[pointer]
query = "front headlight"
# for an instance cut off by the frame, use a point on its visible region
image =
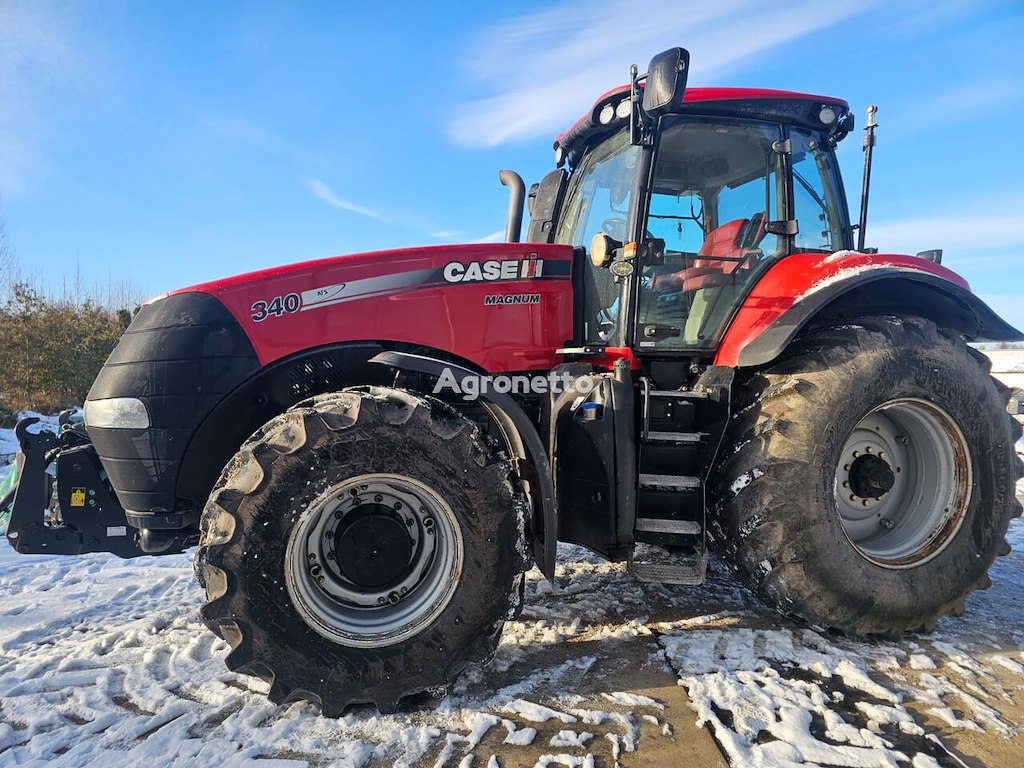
(116, 413)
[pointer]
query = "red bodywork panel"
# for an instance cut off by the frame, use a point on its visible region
(416, 296)
(799, 275)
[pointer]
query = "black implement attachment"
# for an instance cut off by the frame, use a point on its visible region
(87, 516)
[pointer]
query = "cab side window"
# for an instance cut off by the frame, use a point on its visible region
(814, 194)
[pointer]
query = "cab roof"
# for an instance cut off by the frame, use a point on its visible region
(791, 107)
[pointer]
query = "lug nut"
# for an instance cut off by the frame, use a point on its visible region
(398, 505)
(866, 502)
(378, 498)
(856, 454)
(887, 523)
(868, 449)
(393, 598)
(846, 483)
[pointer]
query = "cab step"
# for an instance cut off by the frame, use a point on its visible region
(660, 525)
(674, 437)
(679, 393)
(655, 564)
(669, 482)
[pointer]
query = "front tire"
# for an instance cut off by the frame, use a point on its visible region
(364, 546)
(868, 479)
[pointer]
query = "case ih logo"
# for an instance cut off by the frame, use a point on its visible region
(477, 271)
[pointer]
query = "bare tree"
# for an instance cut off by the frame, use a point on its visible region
(10, 269)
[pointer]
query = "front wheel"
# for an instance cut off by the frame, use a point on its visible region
(364, 546)
(870, 479)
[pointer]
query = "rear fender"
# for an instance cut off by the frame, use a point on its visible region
(810, 287)
(523, 441)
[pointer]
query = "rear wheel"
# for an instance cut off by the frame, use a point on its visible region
(364, 546)
(871, 477)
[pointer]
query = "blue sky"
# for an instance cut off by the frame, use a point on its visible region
(172, 143)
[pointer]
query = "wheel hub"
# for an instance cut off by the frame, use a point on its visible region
(373, 547)
(871, 477)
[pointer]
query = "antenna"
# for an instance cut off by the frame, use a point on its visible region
(869, 145)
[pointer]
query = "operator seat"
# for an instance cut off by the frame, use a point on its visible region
(710, 267)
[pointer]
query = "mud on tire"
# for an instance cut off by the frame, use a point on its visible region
(341, 627)
(783, 521)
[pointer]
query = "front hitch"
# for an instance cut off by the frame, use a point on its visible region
(87, 517)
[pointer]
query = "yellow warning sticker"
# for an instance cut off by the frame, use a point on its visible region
(78, 497)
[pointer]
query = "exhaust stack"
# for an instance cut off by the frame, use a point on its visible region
(516, 197)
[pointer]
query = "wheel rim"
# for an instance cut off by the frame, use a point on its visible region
(374, 560)
(903, 483)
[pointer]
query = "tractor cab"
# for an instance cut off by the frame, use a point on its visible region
(681, 215)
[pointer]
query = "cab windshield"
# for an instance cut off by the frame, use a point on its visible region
(716, 187)
(597, 200)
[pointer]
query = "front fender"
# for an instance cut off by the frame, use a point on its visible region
(803, 287)
(523, 441)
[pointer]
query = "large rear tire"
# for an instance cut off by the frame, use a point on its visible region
(364, 546)
(867, 480)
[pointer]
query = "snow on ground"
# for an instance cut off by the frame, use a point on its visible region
(105, 662)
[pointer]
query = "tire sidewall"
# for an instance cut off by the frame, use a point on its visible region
(458, 469)
(936, 374)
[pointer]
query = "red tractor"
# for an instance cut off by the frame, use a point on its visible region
(371, 449)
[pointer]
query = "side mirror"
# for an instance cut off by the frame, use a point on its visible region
(666, 81)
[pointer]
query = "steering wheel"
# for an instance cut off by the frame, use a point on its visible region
(615, 228)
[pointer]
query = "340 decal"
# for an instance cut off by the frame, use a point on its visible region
(277, 306)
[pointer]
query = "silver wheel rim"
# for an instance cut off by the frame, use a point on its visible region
(903, 483)
(325, 551)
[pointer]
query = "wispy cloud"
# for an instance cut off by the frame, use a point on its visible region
(322, 192)
(494, 237)
(242, 129)
(543, 69)
(446, 234)
(976, 100)
(963, 231)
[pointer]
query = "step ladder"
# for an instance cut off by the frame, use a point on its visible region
(673, 459)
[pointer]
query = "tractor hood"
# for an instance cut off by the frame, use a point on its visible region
(502, 306)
